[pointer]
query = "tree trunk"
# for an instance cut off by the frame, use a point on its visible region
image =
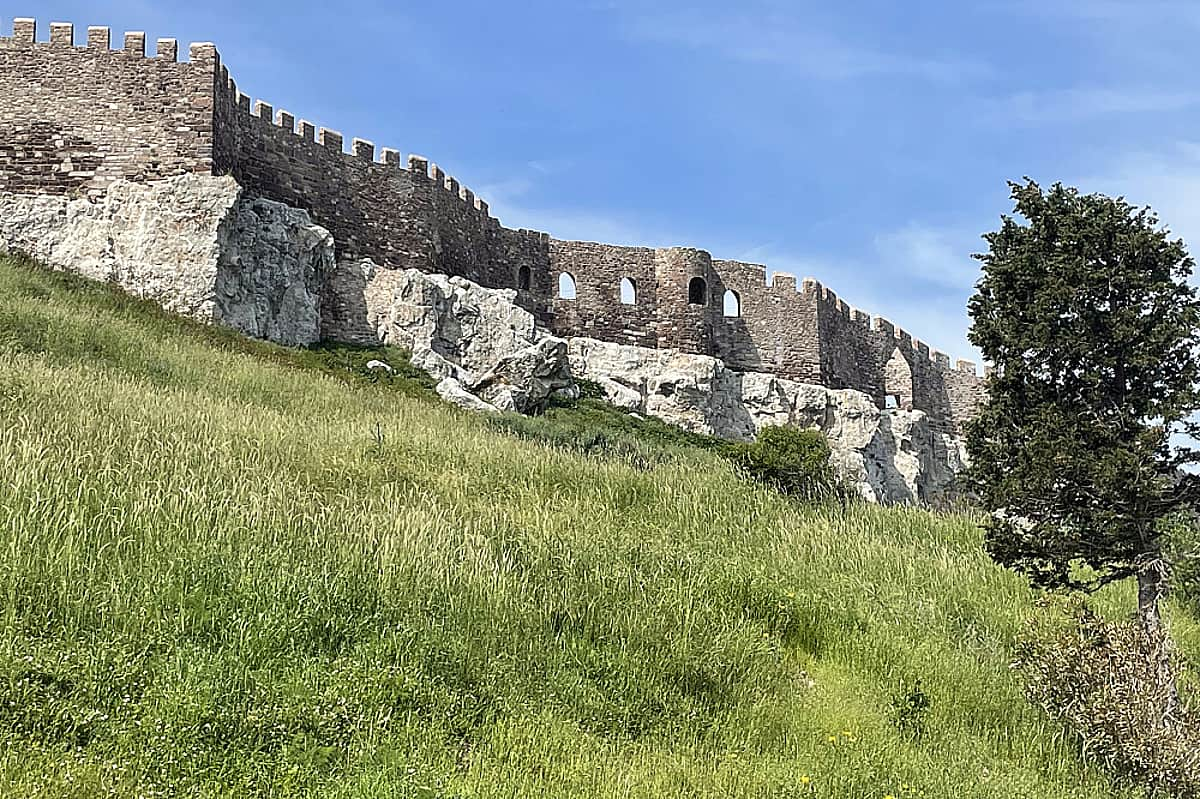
(1152, 582)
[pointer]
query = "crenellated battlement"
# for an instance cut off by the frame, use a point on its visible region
(98, 38)
(76, 117)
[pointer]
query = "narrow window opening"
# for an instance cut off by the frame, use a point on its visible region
(566, 286)
(897, 382)
(733, 304)
(628, 291)
(523, 278)
(697, 292)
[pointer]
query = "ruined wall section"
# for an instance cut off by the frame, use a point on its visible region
(857, 352)
(74, 119)
(776, 329)
(401, 217)
(597, 310)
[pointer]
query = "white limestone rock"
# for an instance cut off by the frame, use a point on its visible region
(453, 392)
(454, 329)
(890, 455)
(192, 244)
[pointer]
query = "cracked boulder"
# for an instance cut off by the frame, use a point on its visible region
(193, 244)
(470, 338)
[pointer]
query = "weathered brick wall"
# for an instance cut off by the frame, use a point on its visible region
(776, 329)
(75, 119)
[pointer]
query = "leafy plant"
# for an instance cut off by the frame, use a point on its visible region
(796, 462)
(910, 706)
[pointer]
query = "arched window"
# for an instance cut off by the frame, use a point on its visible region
(628, 291)
(566, 286)
(733, 303)
(523, 278)
(697, 292)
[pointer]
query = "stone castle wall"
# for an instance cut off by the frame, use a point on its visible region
(76, 117)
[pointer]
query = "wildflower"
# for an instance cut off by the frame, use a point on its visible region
(805, 779)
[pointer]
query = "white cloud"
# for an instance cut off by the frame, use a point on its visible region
(1120, 14)
(937, 256)
(509, 202)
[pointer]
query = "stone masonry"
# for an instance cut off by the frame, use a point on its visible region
(78, 116)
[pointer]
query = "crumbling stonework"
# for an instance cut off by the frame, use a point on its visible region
(76, 120)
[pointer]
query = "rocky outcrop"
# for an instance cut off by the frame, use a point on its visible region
(891, 455)
(192, 244)
(480, 345)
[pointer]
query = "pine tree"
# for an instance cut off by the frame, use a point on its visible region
(1078, 453)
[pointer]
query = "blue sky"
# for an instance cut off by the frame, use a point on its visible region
(866, 144)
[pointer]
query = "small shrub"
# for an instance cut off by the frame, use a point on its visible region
(796, 462)
(910, 706)
(1101, 680)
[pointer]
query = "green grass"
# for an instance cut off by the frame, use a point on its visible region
(231, 569)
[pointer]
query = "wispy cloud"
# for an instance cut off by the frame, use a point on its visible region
(1113, 12)
(788, 41)
(938, 257)
(1084, 104)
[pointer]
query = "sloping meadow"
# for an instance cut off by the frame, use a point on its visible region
(228, 571)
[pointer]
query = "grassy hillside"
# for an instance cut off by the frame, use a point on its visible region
(231, 569)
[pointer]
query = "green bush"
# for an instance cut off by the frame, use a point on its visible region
(796, 462)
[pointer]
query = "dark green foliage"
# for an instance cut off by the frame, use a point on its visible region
(1183, 551)
(796, 462)
(589, 389)
(1102, 680)
(910, 706)
(1086, 312)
